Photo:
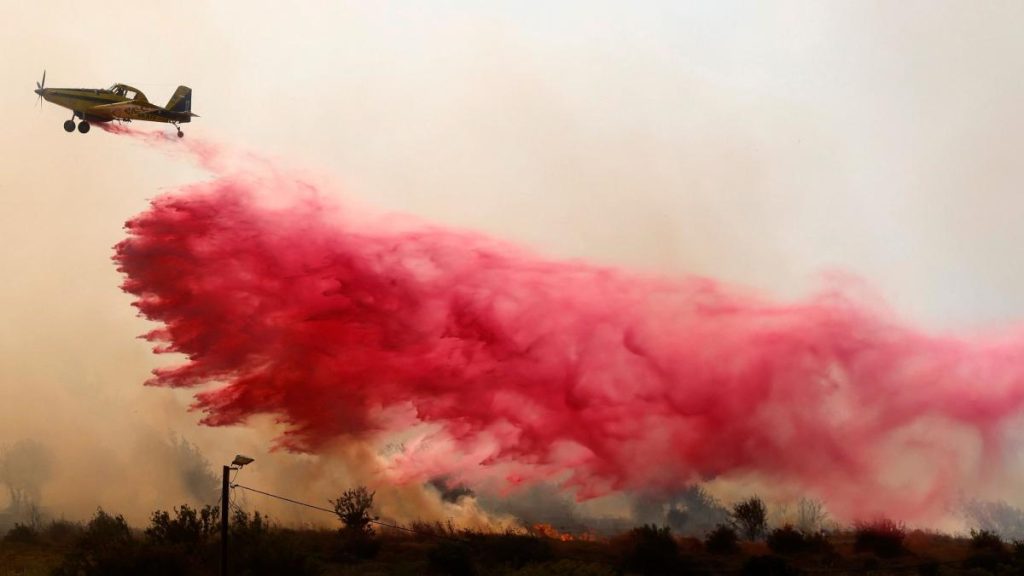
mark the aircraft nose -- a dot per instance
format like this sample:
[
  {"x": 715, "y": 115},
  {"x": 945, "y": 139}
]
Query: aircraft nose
[{"x": 38, "y": 91}]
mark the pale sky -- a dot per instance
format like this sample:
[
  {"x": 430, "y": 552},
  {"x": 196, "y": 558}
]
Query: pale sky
[{"x": 759, "y": 143}]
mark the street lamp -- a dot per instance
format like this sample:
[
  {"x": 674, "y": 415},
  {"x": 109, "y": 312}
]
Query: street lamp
[
  {"x": 241, "y": 461},
  {"x": 236, "y": 464}
]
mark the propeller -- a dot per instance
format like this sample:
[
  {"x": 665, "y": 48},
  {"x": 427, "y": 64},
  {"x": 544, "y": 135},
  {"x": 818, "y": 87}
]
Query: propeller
[{"x": 40, "y": 86}]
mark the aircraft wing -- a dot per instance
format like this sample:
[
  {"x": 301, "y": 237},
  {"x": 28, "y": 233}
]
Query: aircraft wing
[{"x": 123, "y": 110}]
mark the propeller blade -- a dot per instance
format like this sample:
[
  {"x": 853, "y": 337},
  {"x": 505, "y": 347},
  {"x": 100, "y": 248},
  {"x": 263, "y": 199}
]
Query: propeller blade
[{"x": 40, "y": 86}]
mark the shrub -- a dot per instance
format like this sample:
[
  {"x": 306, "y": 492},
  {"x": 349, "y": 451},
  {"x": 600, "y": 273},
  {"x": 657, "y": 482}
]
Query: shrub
[
  {"x": 750, "y": 517},
  {"x": 22, "y": 533},
  {"x": 650, "y": 550},
  {"x": 104, "y": 532},
  {"x": 513, "y": 550},
  {"x": 567, "y": 567},
  {"x": 786, "y": 540},
  {"x": 986, "y": 540},
  {"x": 722, "y": 540},
  {"x": 451, "y": 559},
  {"x": 279, "y": 552},
  {"x": 357, "y": 545},
  {"x": 188, "y": 526},
  {"x": 105, "y": 547},
  {"x": 767, "y": 566},
  {"x": 987, "y": 561},
  {"x": 258, "y": 548},
  {"x": 353, "y": 509},
  {"x": 425, "y": 530},
  {"x": 62, "y": 532},
  {"x": 882, "y": 537},
  {"x": 1017, "y": 547},
  {"x": 928, "y": 567}
]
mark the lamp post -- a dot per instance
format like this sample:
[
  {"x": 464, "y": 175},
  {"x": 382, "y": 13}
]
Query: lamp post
[{"x": 236, "y": 464}]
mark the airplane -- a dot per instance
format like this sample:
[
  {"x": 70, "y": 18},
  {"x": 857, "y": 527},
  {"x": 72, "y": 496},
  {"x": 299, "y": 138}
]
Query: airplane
[{"x": 120, "y": 102}]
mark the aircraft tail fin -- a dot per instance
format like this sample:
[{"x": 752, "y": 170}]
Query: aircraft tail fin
[{"x": 181, "y": 101}]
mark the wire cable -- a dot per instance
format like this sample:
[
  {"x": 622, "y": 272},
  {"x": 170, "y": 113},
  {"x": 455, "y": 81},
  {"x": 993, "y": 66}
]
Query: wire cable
[{"x": 329, "y": 511}]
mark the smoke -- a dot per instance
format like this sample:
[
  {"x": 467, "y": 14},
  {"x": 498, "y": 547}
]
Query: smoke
[
  {"x": 499, "y": 366},
  {"x": 25, "y": 467},
  {"x": 692, "y": 511}
]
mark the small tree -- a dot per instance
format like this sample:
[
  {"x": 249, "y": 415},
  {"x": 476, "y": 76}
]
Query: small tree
[
  {"x": 811, "y": 516},
  {"x": 750, "y": 517},
  {"x": 353, "y": 509}
]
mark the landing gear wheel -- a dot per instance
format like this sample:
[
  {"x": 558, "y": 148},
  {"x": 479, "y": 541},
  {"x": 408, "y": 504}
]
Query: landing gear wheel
[
  {"x": 69, "y": 125},
  {"x": 83, "y": 127},
  {"x": 180, "y": 133}
]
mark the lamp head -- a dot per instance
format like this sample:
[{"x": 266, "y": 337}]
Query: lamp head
[{"x": 241, "y": 460}]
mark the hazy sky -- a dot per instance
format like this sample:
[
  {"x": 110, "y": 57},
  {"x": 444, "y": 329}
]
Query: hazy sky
[{"x": 760, "y": 143}]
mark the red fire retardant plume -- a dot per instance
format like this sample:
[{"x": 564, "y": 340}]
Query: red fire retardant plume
[{"x": 536, "y": 369}]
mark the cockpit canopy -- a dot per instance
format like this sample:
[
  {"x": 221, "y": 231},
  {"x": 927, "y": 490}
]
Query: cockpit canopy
[{"x": 128, "y": 92}]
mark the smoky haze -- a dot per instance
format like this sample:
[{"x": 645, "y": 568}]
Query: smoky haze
[{"x": 759, "y": 146}]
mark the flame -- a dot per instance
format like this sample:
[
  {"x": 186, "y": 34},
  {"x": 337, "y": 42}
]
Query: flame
[{"x": 548, "y": 531}]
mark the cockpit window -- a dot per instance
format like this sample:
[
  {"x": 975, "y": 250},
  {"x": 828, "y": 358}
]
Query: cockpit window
[{"x": 124, "y": 92}]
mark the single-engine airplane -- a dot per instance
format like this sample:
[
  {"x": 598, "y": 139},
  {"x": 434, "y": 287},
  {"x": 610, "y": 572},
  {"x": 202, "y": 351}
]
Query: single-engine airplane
[{"x": 120, "y": 102}]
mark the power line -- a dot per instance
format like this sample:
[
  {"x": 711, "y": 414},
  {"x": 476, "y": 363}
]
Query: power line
[{"x": 329, "y": 511}]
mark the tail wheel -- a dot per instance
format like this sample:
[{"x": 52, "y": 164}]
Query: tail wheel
[
  {"x": 69, "y": 126},
  {"x": 83, "y": 127}
]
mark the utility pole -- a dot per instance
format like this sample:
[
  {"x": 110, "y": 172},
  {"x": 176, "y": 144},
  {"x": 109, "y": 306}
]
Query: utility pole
[
  {"x": 224, "y": 499},
  {"x": 225, "y": 502}
]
